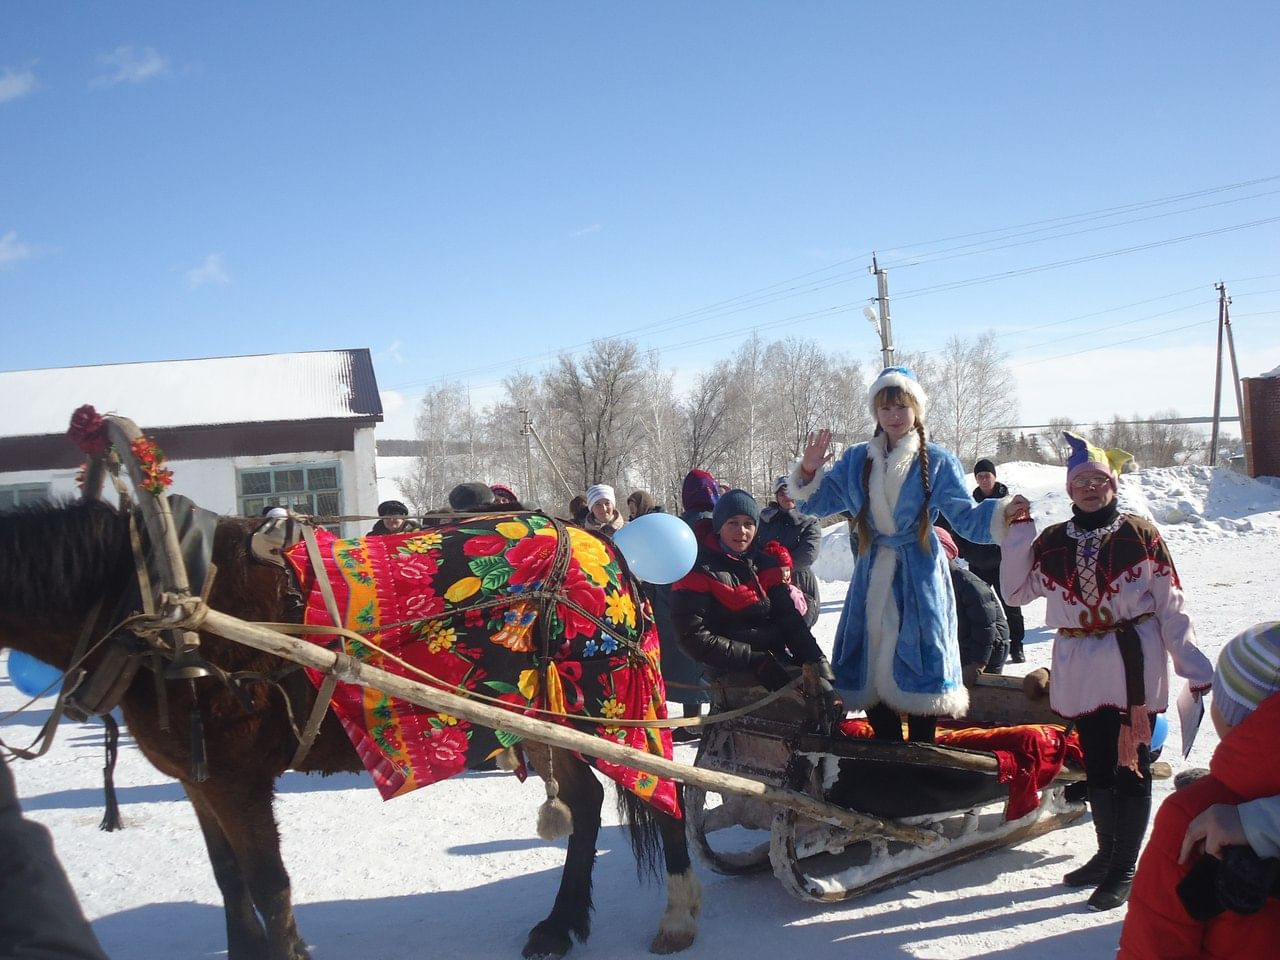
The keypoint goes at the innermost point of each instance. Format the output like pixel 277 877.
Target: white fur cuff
pixel 998 526
pixel 801 489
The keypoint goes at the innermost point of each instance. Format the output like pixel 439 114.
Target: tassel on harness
pixel 199 759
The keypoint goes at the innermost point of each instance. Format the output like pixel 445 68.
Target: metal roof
pixel 318 385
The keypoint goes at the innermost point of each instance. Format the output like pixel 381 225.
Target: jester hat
pixel 1086 457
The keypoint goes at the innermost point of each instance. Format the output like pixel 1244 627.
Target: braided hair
pixel 894 396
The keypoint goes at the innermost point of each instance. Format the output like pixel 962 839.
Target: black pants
pixel 1017 629
pixel 1099 734
pixel 887 724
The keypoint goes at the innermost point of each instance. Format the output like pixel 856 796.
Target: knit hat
pixel 948 543
pixel 1248 671
pixel 732 504
pixel 905 380
pixel 984 466
pixel 780 483
pixel 469 496
pixel 392 508
pixel 503 490
pixel 699 491
pixel 1085 457
pixel 598 492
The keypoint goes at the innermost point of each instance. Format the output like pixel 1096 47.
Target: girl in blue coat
pixel 896 649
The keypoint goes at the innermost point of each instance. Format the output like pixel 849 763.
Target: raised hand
pixel 816 451
pixel 1018 510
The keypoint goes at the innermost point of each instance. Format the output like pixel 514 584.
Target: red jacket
pixel 1244 767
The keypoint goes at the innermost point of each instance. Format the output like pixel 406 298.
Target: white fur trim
pixel 998 527
pixel 801 489
pixel 895 379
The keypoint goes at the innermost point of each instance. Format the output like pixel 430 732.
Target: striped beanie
pixel 1248 671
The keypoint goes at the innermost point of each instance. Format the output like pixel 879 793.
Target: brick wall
pixel 1261 426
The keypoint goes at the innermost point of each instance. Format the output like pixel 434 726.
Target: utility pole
pixel 526 431
pixel 882 321
pixel 1224 329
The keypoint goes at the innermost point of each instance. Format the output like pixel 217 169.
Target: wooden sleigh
pixel 951 800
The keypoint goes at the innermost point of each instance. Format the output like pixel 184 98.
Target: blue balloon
pixel 658 547
pixel 1159 731
pixel 31 676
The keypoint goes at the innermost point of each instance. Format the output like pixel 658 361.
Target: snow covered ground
pixel 418 877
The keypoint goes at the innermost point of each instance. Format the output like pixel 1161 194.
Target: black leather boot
pixel 1132 814
pixel 1102 803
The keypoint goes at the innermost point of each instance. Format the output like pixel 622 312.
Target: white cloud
pixel 16 83
pixel 392 353
pixel 12 250
pixel 211 271
pixel 593 228
pixel 130 65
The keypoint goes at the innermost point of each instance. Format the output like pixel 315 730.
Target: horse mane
pixel 60 555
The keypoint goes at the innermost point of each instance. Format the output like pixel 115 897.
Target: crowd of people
pixel 935 599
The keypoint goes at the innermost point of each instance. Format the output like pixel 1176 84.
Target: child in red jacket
pixel 1169 895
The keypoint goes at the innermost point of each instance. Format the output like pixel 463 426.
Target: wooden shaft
pixel 352 671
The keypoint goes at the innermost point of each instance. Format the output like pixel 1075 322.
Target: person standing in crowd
pixel 781 522
pixel 641 502
pixel 1115 598
pixel 503 494
pixel 578 511
pixel 393 517
pixel 984 558
pixel 734 612
pixel 603 516
pixel 1206 885
pixel 471 497
pixel 981 628
pixel 896 649
pixel 40 917
pixel 698 495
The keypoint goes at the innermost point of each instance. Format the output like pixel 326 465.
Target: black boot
pixel 1102 803
pixel 1132 814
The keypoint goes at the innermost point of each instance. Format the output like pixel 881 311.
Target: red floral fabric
pixel 454 601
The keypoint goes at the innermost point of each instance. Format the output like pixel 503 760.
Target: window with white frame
pixel 311 488
pixel 20 494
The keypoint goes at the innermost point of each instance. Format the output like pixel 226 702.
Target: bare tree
pixel 452 448
pixel 970 396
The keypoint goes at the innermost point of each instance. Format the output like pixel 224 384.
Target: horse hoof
pixel 546 944
pixel 672 941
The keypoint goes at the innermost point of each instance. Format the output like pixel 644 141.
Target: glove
pixel 768 671
pixel 825 705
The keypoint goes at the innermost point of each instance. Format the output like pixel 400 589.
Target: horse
pixel 69 567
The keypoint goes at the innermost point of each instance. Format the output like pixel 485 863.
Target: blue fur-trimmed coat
pixel 896 641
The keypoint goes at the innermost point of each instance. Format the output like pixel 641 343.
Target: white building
pixel 239 433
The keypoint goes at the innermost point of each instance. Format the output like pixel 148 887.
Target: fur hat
pixel 948 543
pixel 905 380
pixel 699 491
pixel 780 483
pixel 984 466
pixel 503 490
pixel 598 492
pixel 1085 457
pixel 1248 671
pixel 732 504
pixel 392 508
pixel 468 496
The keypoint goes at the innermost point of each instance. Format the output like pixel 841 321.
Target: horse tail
pixel 644 832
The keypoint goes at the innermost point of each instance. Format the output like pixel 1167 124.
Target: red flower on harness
pixel 446 750
pixel 487 545
pixel 87 431
pixel 531 559
pixel 584 594
pixel 155 476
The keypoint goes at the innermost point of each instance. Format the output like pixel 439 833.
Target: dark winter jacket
pixel 380 530
pixel 983 629
pixel 728 608
pixel 983 557
pixel 802 536
pixel 40 916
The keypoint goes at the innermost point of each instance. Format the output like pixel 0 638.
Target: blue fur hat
pixel 730 505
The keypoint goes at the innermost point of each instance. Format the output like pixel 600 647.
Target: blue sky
pixel 469 188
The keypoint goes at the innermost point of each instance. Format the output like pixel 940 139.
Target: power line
pixel 1118 343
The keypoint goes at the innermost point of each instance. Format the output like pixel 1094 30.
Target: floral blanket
pixel 494 604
